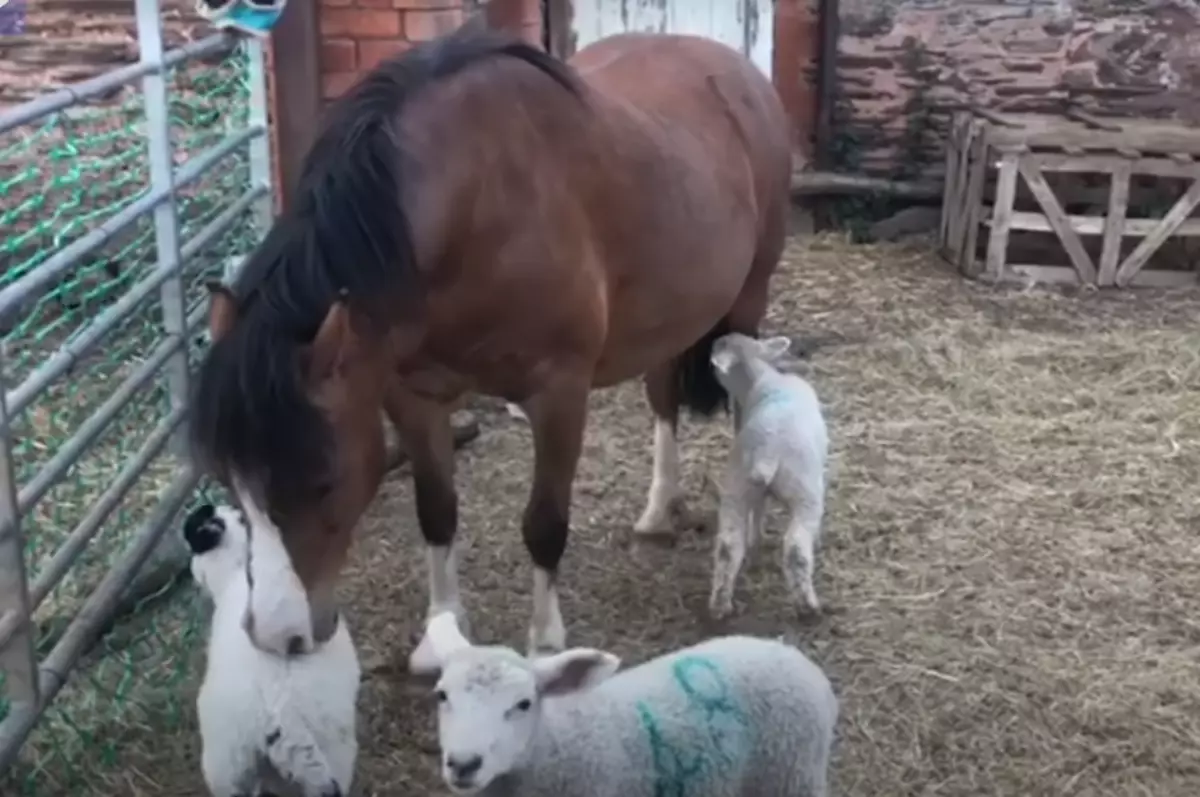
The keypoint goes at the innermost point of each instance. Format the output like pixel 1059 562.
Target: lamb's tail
pixel 297 758
pixel 763 471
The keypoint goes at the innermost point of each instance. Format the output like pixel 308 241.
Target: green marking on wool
pixel 717 739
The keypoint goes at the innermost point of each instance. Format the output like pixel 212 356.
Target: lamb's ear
pixel 203 529
pixel 722 360
pixel 775 348
pixel 445 636
pixel 571 670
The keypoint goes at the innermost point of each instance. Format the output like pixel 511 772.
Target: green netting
pixel 59 178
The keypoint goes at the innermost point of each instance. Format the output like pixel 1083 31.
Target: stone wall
pixel 905 65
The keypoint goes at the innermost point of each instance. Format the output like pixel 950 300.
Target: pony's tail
pixel 697 385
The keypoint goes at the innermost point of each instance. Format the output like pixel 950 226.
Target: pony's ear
pixel 222 310
pixel 445 636
pixel 774 348
pixel 328 349
pixel 572 670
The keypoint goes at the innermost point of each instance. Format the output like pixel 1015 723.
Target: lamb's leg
pixel 741 501
pixel 228 769
pixel 798 561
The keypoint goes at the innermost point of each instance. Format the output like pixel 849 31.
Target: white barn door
pixel 745 25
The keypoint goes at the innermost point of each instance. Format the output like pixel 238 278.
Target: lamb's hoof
pixel 808 608
pixel 332 790
pixel 656 538
pixel 719 610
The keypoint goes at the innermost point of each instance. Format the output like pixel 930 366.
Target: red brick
pixel 355 22
pixel 337 3
pixel 370 53
pixel 338 55
pixel 422 26
pixel 335 84
pixel 374 3
pixel 532 33
pixel 420 5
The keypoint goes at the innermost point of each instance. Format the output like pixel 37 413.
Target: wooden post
pixel 296 83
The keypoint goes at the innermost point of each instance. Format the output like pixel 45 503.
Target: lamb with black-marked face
pixel 266 722
pixel 570 725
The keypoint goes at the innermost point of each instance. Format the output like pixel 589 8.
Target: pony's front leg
pixel 557 417
pixel 428 438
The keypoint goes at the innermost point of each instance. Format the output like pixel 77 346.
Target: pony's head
pixel 291 424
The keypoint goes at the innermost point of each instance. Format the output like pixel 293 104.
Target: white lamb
pixel 734 716
pixel 780 449
pixel 268 724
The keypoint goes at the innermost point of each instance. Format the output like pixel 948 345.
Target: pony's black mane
pixel 345 231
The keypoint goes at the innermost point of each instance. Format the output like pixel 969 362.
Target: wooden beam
pixel 829 25
pixel 1058 220
pixel 296 74
pixel 1165 229
pixel 805 183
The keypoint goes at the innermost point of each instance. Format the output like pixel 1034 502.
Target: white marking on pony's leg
pixel 547 633
pixel 729 550
pixel 798 563
pixel 277 610
pixel 442 562
pixel 665 490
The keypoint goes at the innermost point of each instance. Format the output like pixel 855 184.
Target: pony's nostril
pixel 295 645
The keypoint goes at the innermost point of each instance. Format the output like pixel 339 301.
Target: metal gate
pixel 117 197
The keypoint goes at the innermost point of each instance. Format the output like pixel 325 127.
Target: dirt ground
pixel 1011 570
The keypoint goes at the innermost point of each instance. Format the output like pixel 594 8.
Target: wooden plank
pixel 973 201
pixel 1157 167
pixel 954 150
pixel 806 183
pixel 1047 275
pixel 1058 220
pixel 1162 278
pixel 1040 130
pixel 295 47
pixel 1114 225
pixel 558 22
pixel 1150 244
pixel 949 236
pixel 1028 221
pixel 1006 192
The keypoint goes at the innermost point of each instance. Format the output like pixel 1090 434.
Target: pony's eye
pixel 441 696
pixel 524 705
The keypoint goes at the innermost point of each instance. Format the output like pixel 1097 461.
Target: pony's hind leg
pixel 424 429
pixel 557 417
pixel 665 498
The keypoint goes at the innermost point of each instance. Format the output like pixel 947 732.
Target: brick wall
pixel 904 65
pixel 357 34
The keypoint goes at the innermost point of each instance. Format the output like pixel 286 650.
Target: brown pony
pixel 477 216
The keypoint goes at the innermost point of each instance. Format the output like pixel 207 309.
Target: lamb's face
pixel 216 536
pixel 488 711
